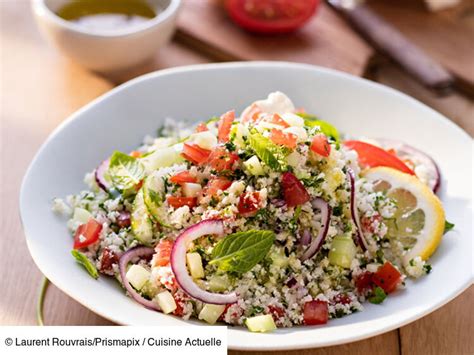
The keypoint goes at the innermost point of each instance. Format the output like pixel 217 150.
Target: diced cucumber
pixel 219 283
pixel 293 159
pixel 142 227
pixel 211 312
pixel 205 140
pixel 137 276
pixel 253 166
pixel 166 302
pixel 149 289
pixel 161 158
pixel 279 258
pixel 191 189
pixel 261 324
pixel 153 192
pixel 194 262
pixel 239 131
pixel 81 215
pixel 343 251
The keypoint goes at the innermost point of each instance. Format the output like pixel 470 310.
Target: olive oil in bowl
pixel 107 15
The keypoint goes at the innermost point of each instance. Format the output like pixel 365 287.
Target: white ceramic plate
pixel 122 117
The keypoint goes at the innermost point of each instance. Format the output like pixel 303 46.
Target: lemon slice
pixel 418 221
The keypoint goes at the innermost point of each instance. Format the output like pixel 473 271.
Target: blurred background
pixel 56 56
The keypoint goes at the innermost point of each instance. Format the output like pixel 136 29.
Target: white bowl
pixel 120 119
pixel 107 51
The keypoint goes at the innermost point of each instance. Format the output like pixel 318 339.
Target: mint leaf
pixel 448 226
pixel 325 127
pixel 125 171
pixel 268 152
pixel 378 296
pixel 84 261
pixel 240 252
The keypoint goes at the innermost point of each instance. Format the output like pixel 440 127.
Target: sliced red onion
pixel 359 236
pixel 136 252
pixel 306 237
pixel 178 262
pixel 317 242
pixel 406 151
pixel 100 175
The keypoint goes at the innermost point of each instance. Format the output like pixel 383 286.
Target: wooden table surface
pixel 39 88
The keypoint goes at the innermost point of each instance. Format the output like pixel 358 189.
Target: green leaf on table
pixel 274 156
pixel 448 226
pixel 84 261
pixel 325 127
pixel 241 251
pixel 378 296
pixel 125 171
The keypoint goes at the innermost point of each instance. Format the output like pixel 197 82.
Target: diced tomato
pixel 373 156
pixel 364 282
pixel 182 177
pixel 194 153
pixel 107 260
pixel 293 190
pixel 177 202
pixel 87 234
pixel 224 126
pixel 276 312
pixel 135 154
pixel 341 298
pixel 217 184
pixel 387 277
pixel 279 137
pixel 221 159
pixel 201 127
pixel 276 119
pixel 315 312
pixel 368 222
pixel 163 252
pixel 249 203
pixel 251 114
pixel 320 145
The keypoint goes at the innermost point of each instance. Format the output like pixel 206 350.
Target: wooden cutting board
pixel 326 40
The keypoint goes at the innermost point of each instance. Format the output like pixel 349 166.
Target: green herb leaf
pixel 125 171
pixel 448 226
pixel 240 252
pixel 378 296
pixel 84 261
pixel 326 128
pixel 268 152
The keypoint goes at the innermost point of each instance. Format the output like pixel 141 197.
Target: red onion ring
pixel 317 242
pixel 360 240
pixel 123 262
pixel 306 237
pixel 99 175
pixel 178 262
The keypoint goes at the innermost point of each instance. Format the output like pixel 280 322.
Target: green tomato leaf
pixel 325 127
pixel 125 171
pixel 272 155
pixel 448 226
pixel 240 252
pixel 378 296
pixel 84 261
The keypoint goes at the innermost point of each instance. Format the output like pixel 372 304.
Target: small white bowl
pixel 107 51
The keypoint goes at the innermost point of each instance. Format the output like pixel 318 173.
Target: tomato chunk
pixel 217 184
pixel 201 127
pixel 178 202
pixel 249 203
pixel 320 145
pixel 194 153
pixel 224 126
pixel 387 277
pixel 315 312
pixel 182 177
pixel 279 137
pixel 251 114
pixel 163 252
pixel 293 190
pixel 87 234
pixel 221 159
pixel 276 312
pixel 373 156
pixel 364 282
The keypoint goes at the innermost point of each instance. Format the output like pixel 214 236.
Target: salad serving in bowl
pixel 264 217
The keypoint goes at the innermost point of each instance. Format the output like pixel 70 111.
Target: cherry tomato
pixel 279 137
pixel 201 127
pixel 217 184
pixel 320 145
pixel 249 203
pixel 372 156
pixel 87 234
pixel 182 177
pixel 221 159
pixel 315 312
pixel 387 277
pixel 293 190
pixel 163 252
pixel 194 153
pixel 251 114
pixel 224 126
pixel 178 202
pixel 271 16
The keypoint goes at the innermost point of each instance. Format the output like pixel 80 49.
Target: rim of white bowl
pixel 42 10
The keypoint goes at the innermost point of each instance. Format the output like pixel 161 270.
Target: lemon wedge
pixel 418 221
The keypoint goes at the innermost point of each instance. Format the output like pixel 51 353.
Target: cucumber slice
pixel 142 227
pixel 194 262
pixel 219 283
pixel 253 166
pixel 137 276
pixel 343 250
pixel 153 195
pixel 161 158
pixel 166 302
pixel 211 312
pixel 261 324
